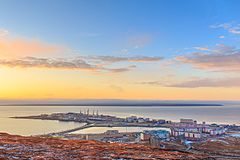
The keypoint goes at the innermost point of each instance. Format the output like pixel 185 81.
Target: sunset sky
pixel 125 49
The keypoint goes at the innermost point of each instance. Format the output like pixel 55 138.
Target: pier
pixel 71 130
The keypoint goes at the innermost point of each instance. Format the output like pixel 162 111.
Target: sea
pixel 229 113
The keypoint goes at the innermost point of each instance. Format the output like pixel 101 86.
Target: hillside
pixel 18 147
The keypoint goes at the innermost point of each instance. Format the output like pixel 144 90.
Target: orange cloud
pixel 10 47
pixel 60 63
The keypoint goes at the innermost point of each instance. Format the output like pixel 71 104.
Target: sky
pixel 105 49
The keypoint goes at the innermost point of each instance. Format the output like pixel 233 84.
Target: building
pixel 189 129
pixel 155 137
pixel 188 121
pixel 132 119
pixel 135 119
pixel 140 120
pixel 187 133
pixel 156 142
pixel 193 135
pixel 161 121
pixel 161 134
pixel 214 130
pixel 144 136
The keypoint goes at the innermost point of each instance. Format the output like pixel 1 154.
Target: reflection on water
pixel 120 129
pixel 228 114
pixel 34 127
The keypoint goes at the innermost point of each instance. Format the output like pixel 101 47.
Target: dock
pixel 71 130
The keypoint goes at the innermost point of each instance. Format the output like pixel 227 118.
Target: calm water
pixel 120 129
pixel 228 114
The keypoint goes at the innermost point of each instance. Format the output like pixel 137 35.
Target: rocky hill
pixel 37 148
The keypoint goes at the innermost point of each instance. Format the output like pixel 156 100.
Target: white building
pixel 189 129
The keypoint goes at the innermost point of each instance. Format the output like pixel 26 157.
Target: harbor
pixel 96 120
pixel 185 129
pixel 40 127
pixel 185 135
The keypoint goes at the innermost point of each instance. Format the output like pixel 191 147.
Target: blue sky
pixel 104 27
pixel 127 48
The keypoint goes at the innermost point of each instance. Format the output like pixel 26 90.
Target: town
pixel 162 133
